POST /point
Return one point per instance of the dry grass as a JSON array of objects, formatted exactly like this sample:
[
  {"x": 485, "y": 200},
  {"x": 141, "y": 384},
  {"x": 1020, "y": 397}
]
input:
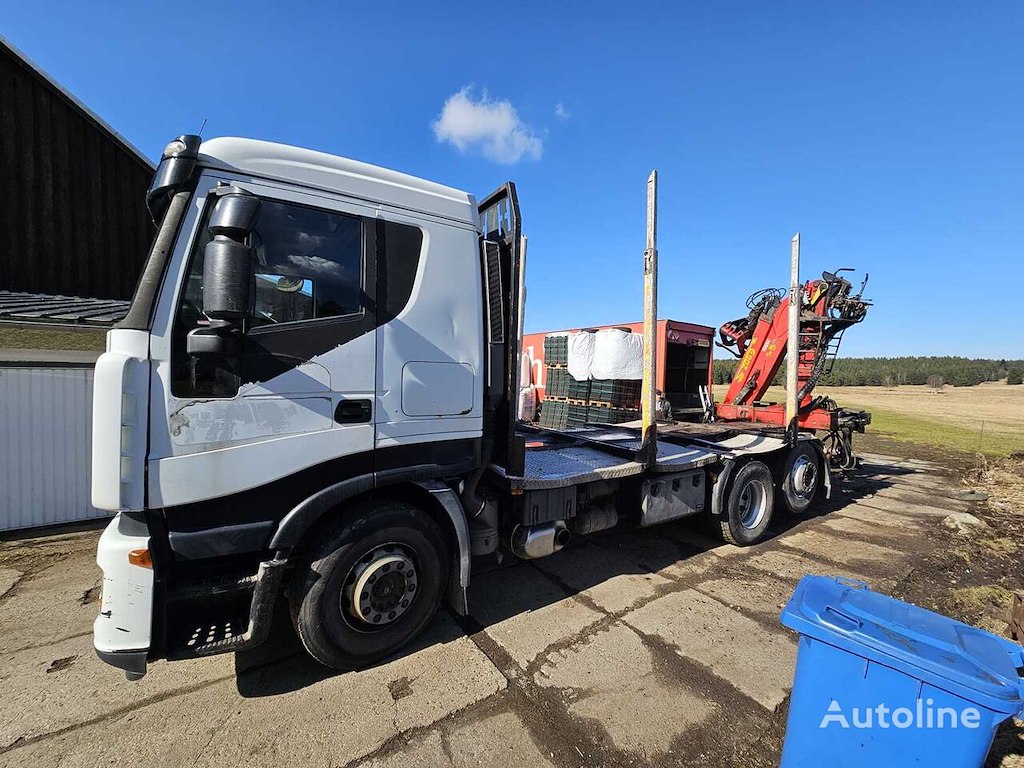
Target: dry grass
[
  {"x": 987, "y": 418},
  {"x": 90, "y": 340}
]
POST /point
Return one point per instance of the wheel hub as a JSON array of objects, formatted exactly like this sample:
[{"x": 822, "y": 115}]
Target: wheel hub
[
  {"x": 753, "y": 504},
  {"x": 382, "y": 586},
  {"x": 804, "y": 477}
]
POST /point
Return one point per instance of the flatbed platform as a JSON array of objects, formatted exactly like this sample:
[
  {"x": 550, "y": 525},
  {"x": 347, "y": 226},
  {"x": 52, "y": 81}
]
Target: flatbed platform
[{"x": 560, "y": 458}]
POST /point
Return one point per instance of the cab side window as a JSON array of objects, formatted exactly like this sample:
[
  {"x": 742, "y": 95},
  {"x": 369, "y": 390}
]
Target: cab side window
[
  {"x": 309, "y": 266},
  {"x": 309, "y": 263}
]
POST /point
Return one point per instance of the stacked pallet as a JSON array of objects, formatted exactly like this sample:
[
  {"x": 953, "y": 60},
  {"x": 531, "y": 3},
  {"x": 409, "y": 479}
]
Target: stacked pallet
[
  {"x": 554, "y": 410},
  {"x": 557, "y": 382},
  {"x": 569, "y": 402}
]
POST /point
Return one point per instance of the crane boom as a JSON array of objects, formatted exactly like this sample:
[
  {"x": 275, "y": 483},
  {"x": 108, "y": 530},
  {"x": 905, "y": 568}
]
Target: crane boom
[{"x": 760, "y": 341}]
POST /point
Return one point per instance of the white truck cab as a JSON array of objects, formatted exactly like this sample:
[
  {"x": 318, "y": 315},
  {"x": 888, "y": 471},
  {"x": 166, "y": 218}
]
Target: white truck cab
[{"x": 307, "y": 329}]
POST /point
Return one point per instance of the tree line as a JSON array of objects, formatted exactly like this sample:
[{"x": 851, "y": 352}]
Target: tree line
[{"x": 897, "y": 371}]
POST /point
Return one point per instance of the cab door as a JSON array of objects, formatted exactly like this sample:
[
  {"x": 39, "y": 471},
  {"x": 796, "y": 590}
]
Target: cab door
[
  {"x": 240, "y": 438},
  {"x": 501, "y": 251}
]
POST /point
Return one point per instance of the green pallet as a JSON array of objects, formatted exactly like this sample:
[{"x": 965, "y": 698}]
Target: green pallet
[
  {"x": 556, "y": 382},
  {"x": 554, "y": 414},
  {"x": 577, "y": 415},
  {"x": 618, "y": 393},
  {"x": 600, "y": 414},
  {"x": 579, "y": 390},
  {"x": 556, "y": 350}
]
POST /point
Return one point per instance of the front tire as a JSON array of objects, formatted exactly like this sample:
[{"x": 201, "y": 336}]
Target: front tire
[
  {"x": 371, "y": 587},
  {"x": 749, "y": 504}
]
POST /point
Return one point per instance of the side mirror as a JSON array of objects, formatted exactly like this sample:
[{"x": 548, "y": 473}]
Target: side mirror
[
  {"x": 228, "y": 263},
  {"x": 228, "y": 275}
]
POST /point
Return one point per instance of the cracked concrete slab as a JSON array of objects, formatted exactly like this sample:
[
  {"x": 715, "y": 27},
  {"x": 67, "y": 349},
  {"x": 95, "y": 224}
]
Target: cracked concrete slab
[
  {"x": 658, "y": 550},
  {"x": 758, "y": 595},
  {"x": 689, "y": 532},
  {"x": 873, "y": 515},
  {"x": 295, "y": 709},
  {"x": 525, "y": 612},
  {"x": 878, "y": 529},
  {"x": 49, "y": 604},
  {"x": 615, "y": 681},
  {"x": 500, "y": 740},
  {"x": 923, "y": 498},
  {"x": 64, "y": 684},
  {"x": 856, "y": 554},
  {"x": 491, "y": 742},
  {"x": 612, "y": 582},
  {"x": 8, "y": 578},
  {"x": 702, "y": 684},
  {"x": 755, "y": 660},
  {"x": 902, "y": 507},
  {"x": 920, "y": 482},
  {"x": 177, "y": 731},
  {"x": 793, "y": 566},
  {"x": 424, "y": 751}
]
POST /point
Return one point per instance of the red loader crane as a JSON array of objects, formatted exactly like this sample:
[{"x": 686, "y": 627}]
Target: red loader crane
[{"x": 760, "y": 341}]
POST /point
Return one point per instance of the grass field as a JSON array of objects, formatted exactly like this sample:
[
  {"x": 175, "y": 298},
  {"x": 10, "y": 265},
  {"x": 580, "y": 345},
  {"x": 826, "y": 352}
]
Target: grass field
[{"x": 988, "y": 418}]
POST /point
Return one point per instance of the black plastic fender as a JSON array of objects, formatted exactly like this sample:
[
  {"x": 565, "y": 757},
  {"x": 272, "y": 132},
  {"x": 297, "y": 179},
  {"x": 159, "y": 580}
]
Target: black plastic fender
[{"x": 719, "y": 486}]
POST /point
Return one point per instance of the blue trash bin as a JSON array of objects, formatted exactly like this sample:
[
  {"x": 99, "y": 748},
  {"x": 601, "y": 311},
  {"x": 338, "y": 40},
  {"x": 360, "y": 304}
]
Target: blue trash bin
[{"x": 880, "y": 682}]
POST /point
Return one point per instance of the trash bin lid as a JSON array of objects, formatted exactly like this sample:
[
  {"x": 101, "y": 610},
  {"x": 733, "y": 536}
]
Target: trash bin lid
[{"x": 969, "y": 662}]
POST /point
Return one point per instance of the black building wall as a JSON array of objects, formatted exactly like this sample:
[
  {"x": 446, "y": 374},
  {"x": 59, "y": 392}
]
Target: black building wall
[{"x": 73, "y": 219}]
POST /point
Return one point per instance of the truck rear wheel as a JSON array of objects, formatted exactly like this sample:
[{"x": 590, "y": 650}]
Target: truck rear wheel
[
  {"x": 748, "y": 505},
  {"x": 801, "y": 478},
  {"x": 371, "y": 587}
]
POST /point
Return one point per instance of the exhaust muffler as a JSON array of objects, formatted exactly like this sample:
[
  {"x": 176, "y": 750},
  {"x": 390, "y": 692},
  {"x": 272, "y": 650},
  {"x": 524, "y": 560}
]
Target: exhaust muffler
[{"x": 532, "y": 541}]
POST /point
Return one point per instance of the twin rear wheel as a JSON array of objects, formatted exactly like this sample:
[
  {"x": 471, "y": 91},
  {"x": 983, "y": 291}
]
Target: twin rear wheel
[
  {"x": 371, "y": 586},
  {"x": 748, "y": 505},
  {"x": 751, "y": 497},
  {"x": 802, "y": 479}
]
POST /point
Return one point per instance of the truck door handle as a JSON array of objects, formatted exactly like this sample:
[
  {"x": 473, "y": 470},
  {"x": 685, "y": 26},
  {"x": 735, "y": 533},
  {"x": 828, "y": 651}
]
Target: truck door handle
[{"x": 353, "y": 412}]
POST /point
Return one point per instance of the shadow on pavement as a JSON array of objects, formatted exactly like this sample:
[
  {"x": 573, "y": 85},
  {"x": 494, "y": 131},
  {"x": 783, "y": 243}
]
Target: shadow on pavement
[{"x": 281, "y": 665}]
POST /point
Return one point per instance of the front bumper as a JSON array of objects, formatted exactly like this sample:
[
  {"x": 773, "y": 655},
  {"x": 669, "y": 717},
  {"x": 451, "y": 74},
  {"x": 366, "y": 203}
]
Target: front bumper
[{"x": 123, "y": 630}]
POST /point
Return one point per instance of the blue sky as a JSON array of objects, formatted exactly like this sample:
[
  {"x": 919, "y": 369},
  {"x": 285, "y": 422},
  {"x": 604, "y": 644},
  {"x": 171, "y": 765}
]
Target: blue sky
[{"x": 891, "y": 134}]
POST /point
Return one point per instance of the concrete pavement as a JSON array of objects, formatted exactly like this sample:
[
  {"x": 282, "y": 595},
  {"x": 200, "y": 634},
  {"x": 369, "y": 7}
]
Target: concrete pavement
[{"x": 656, "y": 646}]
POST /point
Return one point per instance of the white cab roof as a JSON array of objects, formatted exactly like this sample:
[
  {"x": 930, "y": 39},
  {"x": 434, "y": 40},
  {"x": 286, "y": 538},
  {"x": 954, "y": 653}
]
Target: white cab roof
[{"x": 309, "y": 168}]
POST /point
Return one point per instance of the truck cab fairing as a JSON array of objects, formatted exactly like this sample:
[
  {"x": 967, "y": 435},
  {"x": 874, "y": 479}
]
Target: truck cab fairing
[{"x": 365, "y": 390}]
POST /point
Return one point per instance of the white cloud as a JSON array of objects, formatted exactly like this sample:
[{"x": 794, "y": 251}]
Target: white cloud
[
  {"x": 489, "y": 126},
  {"x": 561, "y": 112},
  {"x": 317, "y": 266}
]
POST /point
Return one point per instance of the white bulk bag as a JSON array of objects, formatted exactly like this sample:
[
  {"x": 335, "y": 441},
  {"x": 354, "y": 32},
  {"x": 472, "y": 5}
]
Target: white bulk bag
[
  {"x": 525, "y": 369},
  {"x": 618, "y": 354},
  {"x": 581, "y": 354},
  {"x": 528, "y": 404}
]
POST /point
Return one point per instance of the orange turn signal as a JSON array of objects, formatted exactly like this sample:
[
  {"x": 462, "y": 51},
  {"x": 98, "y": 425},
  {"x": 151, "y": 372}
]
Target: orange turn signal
[{"x": 141, "y": 558}]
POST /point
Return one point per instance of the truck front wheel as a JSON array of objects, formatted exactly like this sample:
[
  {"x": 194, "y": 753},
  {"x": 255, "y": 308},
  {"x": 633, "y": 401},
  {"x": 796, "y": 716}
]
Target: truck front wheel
[
  {"x": 371, "y": 587},
  {"x": 749, "y": 503}
]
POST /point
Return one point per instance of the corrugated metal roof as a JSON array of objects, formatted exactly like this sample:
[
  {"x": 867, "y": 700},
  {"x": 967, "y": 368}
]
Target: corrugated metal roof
[{"x": 60, "y": 310}]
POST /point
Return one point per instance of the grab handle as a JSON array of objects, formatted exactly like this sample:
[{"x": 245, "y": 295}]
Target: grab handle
[{"x": 840, "y": 620}]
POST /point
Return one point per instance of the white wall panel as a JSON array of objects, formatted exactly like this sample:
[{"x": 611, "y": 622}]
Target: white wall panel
[{"x": 45, "y": 444}]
